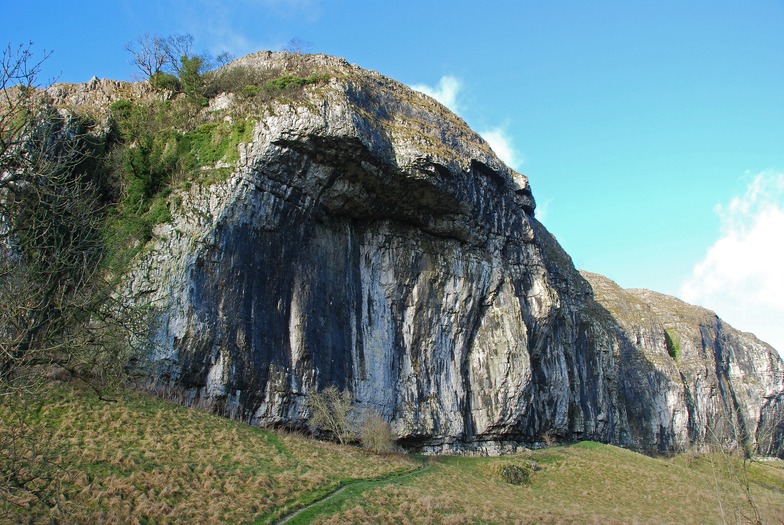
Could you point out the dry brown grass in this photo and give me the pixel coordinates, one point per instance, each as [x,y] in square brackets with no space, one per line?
[141,460]
[586,483]
[145,461]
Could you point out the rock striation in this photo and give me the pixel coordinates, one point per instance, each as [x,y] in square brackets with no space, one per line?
[368,239]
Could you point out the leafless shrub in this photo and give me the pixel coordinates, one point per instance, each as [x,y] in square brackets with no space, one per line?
[299,46]
[331,411]
[58,314]
[376,433]
[732,454]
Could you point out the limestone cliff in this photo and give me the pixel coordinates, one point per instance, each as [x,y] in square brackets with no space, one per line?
[367,238]
[705,379]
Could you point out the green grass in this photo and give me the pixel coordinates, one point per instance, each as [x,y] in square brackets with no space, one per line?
[282,83]
[347,495]
[673,345]
[215,141]
[154,158]
[143,460]
[583,483]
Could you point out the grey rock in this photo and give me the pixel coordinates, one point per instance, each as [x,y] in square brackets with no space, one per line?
[368,239]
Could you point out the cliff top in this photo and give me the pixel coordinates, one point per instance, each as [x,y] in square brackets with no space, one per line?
[403,126]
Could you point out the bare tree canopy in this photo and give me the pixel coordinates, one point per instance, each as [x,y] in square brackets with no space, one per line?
[56,301]
[148,54]
[153,54]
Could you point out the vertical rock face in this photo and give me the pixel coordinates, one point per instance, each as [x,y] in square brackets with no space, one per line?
[700,378]
[368,239]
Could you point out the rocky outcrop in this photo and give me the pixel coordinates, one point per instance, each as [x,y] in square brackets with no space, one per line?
[702,379]
[368,239]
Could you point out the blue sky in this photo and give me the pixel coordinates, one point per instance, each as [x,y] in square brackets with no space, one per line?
[652,132]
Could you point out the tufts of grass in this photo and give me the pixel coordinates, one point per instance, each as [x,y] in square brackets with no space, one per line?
[583,483]
[143,460]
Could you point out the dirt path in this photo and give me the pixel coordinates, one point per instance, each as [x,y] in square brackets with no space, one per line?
[332,494]
[370,483]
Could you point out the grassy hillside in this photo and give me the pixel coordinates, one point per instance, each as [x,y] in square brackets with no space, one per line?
[142,460]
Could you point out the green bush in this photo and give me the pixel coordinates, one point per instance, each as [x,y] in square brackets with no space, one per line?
[251,90]
[161,80]
[191,74]
[285,81]
[121,109]
[673,345]
[515,474]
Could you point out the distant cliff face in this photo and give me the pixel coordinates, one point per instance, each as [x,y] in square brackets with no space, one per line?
[694,378]
[367,238]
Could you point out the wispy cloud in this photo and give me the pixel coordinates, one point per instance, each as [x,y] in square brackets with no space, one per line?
[741,275]
[223,29]
[503,146]
[447,92]
[310,9]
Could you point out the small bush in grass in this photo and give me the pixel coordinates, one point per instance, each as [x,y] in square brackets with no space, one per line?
[376,433]
[514,474]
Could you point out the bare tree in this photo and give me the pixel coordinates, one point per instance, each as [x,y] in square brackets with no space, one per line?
[58,314]
[299,46]
[154,55]
[148,54]
[178,49]
[331,411]
[50,237]
[223,58]
[732,452]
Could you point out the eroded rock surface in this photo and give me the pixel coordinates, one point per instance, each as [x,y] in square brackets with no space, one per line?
[367,238]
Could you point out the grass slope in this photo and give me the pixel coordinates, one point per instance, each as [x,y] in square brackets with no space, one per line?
[142,460]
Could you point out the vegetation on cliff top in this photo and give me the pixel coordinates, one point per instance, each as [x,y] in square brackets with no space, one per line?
[161,144]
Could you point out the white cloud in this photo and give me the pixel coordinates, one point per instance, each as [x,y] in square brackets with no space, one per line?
[446,92]
[502,145]
[222,30]
[741,276]
[543,209]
